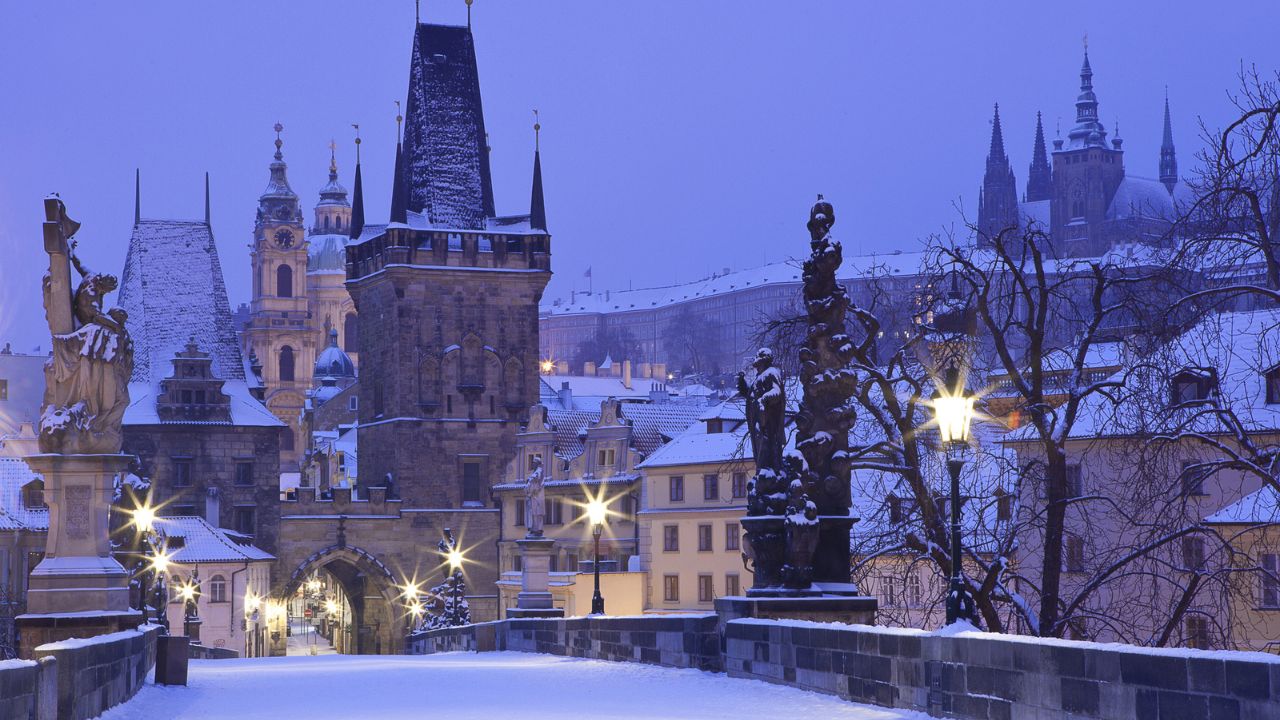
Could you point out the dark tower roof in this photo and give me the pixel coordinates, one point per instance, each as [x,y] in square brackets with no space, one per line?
[1040,176]
[333,193]
[1168,159]
[357,200]
[278,201]
[998,201]
[446,161]
[1088,132]
[399,191]
[537,206]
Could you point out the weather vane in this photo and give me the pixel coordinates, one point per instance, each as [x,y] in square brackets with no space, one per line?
[357,129]
[399,119]
[537,129]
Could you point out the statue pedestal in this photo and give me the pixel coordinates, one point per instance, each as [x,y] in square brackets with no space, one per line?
[78,589]
[534,600]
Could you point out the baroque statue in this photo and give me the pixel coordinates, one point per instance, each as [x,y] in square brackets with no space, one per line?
[535,508]
[87,375]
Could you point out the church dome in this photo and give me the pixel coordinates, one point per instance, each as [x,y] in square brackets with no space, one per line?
[328,252]
[333,362]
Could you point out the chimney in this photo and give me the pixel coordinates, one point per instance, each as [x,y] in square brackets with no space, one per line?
[589,368]
[566,395]
[660,371]
[615,369]
[645,370]
[562,367]
[626,374]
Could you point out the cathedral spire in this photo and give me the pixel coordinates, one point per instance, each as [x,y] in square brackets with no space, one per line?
[537,207]
[399,189]
[357,194]
[1040,176]
[1088,132]
[206,200]
[137,196]
[998,201]
[1168,159]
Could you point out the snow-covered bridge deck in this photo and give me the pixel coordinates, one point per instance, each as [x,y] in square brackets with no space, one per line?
[466,685]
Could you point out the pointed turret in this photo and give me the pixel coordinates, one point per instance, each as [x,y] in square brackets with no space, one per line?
[998,201]
[399,188]
[1040,175]
[137,196]
[1168,159]
[207,221]
[1088,132]
[357,196]
[537,207]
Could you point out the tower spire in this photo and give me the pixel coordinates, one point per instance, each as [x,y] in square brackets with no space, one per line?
[1088,132]
[357,194]
[537,206]
[207,214]
[333,160]
[1168,159]
[137,196]
[998,201]
[1040,175]
[399,188]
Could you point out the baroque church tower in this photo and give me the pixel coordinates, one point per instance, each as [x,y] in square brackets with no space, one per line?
[279,332]
[328,301]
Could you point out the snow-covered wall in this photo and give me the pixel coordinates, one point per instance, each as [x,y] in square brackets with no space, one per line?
[97,673]
[29,689]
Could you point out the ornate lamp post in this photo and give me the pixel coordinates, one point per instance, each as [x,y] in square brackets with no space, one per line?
[596,513]
[157,562]
[953,408]
[190,594]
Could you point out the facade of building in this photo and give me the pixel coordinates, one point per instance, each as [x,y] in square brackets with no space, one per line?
[694,495]
[24,522]
[230,574]
[204,441]
[1249,526]
[21,390]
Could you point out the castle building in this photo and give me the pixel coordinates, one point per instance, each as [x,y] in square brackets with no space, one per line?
[1084,199]
[299,295]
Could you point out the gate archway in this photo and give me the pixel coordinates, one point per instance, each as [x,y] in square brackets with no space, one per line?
[378,623]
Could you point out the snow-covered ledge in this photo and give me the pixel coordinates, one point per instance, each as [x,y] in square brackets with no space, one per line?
[97,673]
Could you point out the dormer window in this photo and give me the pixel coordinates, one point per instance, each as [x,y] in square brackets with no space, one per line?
[1193,385]
[715,426]
[1272,378]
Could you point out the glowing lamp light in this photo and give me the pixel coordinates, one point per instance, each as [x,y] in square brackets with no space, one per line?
[144,518]
[251,601]
[953,409]
[187,592]
[415,608]
[597,511]
[331,607]
[410,590]
[547,366]
[455,559]
[160,561]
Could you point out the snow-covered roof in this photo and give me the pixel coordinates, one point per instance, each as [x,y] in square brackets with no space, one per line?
[1139,197]
[193,540]
[246,410]
[652,425]
[14,515]
[1262,506]
[697,446]
[588,390]
[173,290]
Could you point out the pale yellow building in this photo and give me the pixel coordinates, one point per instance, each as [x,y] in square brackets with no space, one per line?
[693,497]
[1249,526]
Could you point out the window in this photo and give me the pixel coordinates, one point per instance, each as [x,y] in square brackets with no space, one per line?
[706,589]
[677,488]
[353,403]
[731,536]
[605,458]
[1270,581]
[1073,554]
[519,513]
[704,538]
[1272,378]
[217,589]
[244,474]
[4,389]
[738,487]
[1192,479]
[554,512]
[889,590]
[915,594]
[1197,632]
[181,472]
[710,487]
[284,281]
[244,520]
[1004,505]
[32,497]
[286,364]
[671,588]
[732,586]
[1193,553]
[517,562]
[1075,481]
[471,482]
[1193,385]
[286,440]
[671,538]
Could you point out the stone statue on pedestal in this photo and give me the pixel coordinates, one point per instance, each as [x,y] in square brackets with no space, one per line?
[535,507]
[87,376]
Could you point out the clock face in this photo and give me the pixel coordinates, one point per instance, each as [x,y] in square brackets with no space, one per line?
[284,238]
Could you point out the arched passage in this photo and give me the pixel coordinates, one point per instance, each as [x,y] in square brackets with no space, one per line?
[376,624]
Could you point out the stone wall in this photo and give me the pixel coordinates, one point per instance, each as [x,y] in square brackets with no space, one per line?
[972,675]
[683,641]
[29,689]
[98,673]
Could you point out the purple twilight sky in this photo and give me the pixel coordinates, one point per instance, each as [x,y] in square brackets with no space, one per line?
[679,138]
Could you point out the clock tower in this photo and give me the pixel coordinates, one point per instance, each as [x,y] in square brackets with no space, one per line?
[278,332]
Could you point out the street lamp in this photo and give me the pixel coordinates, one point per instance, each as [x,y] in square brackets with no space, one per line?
[953,408]
[596,512]
[143,518]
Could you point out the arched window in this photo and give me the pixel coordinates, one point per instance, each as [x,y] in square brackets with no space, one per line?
[284,281]
[326,222]
[217,589]
[349,339]
[286,364]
